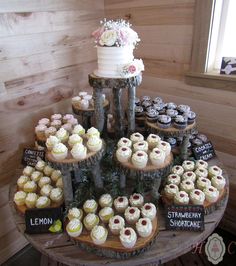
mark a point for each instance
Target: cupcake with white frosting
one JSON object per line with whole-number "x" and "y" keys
{"x": 203, "y": 183}
{"x": 157, "y": 157}
{"x": 153, "y": 140}
{"x": 45, "y": 190}
{"x": 189, "y": 175}
{"x": 50, "y": 131}
{"x": 56, "y": 195}
{"x": 43, "y": 202}
{"x": 187, "y": 185}
{"x": 188, "y": 165}
{"x": 59, "y": 151}
{"x": 128, "y": 237}
{"x": 30, "y": 200}
{"x": 28, "y": 170}
{"x": 144, "y": 227}
{"x": 171, "y": 190}
{"x": 40, "y": 131}
{"x": 74, "y": 228}
{"x": 67, "y": 117}
{"x": 214, "y": 170}
{"x": 141, "y": 146}
{"x": 51, "y": 142}
{"x": 79, "y": 151}
{"x": 123, "y": 154}
{"x": 173, "y": 179}
{"x": 121, "y": 203}
{"x": 63, "y": 135}
{"x": 68, "y": 127}
{"x": 56, "y": 123}
{"x": 197, "y": 197}
{"x": 136, "y": 137}
{"x": 40, "y": 165}
{"x": 30, "y": 186}
{"x": 75, "y": 101}
{"x": 90, "y": 206}
{"x": 181, "y": 198}
{"x": 149, "y": 211}
{"x": 48, "y": 170}
{"x": 105, "y": 214}
{"x": 44, "y": 121}
{"x": 84, "y": 104}
{"x": 124, "y": 142}
{"x": 56, "y": 117}
{"x": 136, "y": 200}
{"x": 178, "y": 170}
{"x": 94, "y": 143}
{"x": 116, "y": 223}
{"x": 139, "y": 159}
{"x": 90, "y": 220}
{"x": 201, "y": 164}
{"x": 75, "y": 213}
{"x": 92, "y": 132}
{"x": 218, "y": 181}
{"x": 132, "y": 215}
{"x": 105, "y": 200}
{"x": 79, "y": 130}
{"x": 74, "y": 139}
{"x": 56, "y": 174}
{"x": 164, "y": 146}
{"x": 73, "y": 122}
{"x": 211, "y": 194}
{"x": 59, "y": 182}
{"x": 36, "y": 175}
{"x": 201, "y": 172}
{"x": 44, "y": 180}
{"x": 22, "y": 180}
{"x": 19, "y": 198}
{"x": 99, "y": 235}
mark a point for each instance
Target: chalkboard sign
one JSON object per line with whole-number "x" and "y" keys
{"x": 204, "y": 152}
{"x": 30, "y": 156}
{"x": 186, "y": 218}
{"x": 43, "y": 220}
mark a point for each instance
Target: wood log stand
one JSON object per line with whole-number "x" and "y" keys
{"x": 117, "y": 85}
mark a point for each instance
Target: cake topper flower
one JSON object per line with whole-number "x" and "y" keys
{"x": 115, "y": 33}
{"x": 132, "y": 69}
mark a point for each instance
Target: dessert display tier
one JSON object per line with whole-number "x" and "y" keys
{"x": 80, "y": 111}
{"x": 113, "y": 247}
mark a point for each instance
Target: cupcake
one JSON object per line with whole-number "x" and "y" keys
{"x": 56, "y": 195}
{"x": 90, "y": 206}
{"x": 59, "y": 182}
{"x": 123, "y": 154}
{"x": 79, "y": 152}
{"x": 132, "y": 215}
{"x": 45, "y": 190}
{"x": 28, "y": 170}
{"x": 56, "y": 174}
{"x": 139, "y": 159}
{"x": 59, "y": 152}
{"x": 74, "y": 139}
{"x": 183, "y": 108}
{"x": 151, "y": 115}
{"x": 203, "y": 183}
{"x": 74, "y": 228}
{"x": 22, "y": 180}
{"x": 178, "y": 170}
{"x": 79, "y": 130}
{"x": 56, "y": 123}
{"x": 189, "y": 175}
{"x": 218, "y": 181}
{"x": 105, "y": 214}
{"x": 191, "y": 116}
{"x": 94, "y": 144}
{"x": 75, "y": 101}
{"x": 180, "y": 122}
{"x": 44, "y": 121}
{"x": 128, "y": 237}
{"x": 197, "y": 197}
{"x": 120, "y": 204}
{"x": 40, "y": 165}
{"x": 188, "y": 165}
{"x": 99, "y": 235}
{"x": 164, "y": 121}
{"x": 187, "y": 185}
{"x": 40, "y": 131}
{"x": 164, "y": 146}
{"x": 158, "y": 100}
{"x": 56, "y": 117}
{"x": 30, "y": 200}
{"x": 146, "y": 98}
{"x": 140, "y": 146}
{"x": 136, "y": 137}
{"x": 36, "y": 175}
{"x": 84, "y": 104}
{"x": 170, "y": 190}
{"x": 68, "y": 127}
{"x": 50, "y": 131}
{"x": 73, "y": 122}
{"x": 201, "y": 172}
{"x": 211, "y": 194}
{"x": 153, "y": 140}
{"x": 62, "y": 135}
{"x": 173, "y": 179}
{"x": 149, "y": 211}
{"x": 214, "y": 170}
{"x": 146, "y": 104}
{"x": 201, "y": 164}
{"x": 116, "y": 223}
{"x": 124, "y": 142}
{"x": 19, "y": 198}
{"x": 30, "y": 187}
{"x": 93, "y": 132}
{"x": 181, "y": 198}
{"x": 51, "y": 142}
{"x": 43, "y": 202}
{"x": 172, "y": 113}
{"x": 171, "y": 105}
{"x": 139, "y": 112}
{"x": 136, "y": 200}
{"x": 105, "y": 200}
{"x": 66, "y": 117}
{"x": 44, "y": 180}
{"x": 90, "y": 220}
{"x": 144, "y": 227}
{"x": 157, "y": 157}
{"x": 48, "y": 170}
{"x": 75, "y": 213}
{"x": 172, "y": 142}
{"x": 137, "y": 101}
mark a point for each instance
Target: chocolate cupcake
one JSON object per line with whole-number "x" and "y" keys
{"x": 172, "y": 113}
{"x": 171, "y": 105}
{"x": 172, "y": 142}
{"x": 137, "y": 101}
{"x": 139, "y": 111}
{"x": 191, "y": 117}
{"x": 146, "y": 104}
{"x": 183, "y": 108}
{"x": 151, "y": 115}
{"x": 157, "y": 100}
{"x": 180, "y": 122}
{"x": 163, "y": 121}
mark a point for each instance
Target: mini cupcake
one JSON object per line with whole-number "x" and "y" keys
{"x": 40, "y": 165}
{"x": 218, "y": 181}
{"x": 99, "y": 235}
{"x": 137, "y": 101}
{"x": 144, "y": 227}
{"x": 105, "y": 200}
{"x": 120, "y": 204}
{"x": 19, "y": 198}
{"x": 139, "y": 112}
{"x": 84, "y": 104}
{"x": 44, "y": 121}
{"x": 30, "y": 200}
{"x": 197, "y": 197}
{"x": 73, "y": 122}
{"x": 146, "y": 98}
{"x": 56, "y": 195}
{"x": 157, "y": 157}
{"x": 141, "y": 146}
{"x": 74, "y": 139}
{"x": 149, "y": 211}
{"x": 183, "y": 108}
{"x": 136, "y": 137}
{"x": 159, "y": 107}
{"x": 50, "y": 131}
{"x": 189, "y": 175}
{"x": 62, "y": 135}
{"x": 90, "y": 206}
{"x": 43, "y": 202}
{"x": 45, "y": 190}
{"x": 116, "y": 223}
{"x": 181, "y": 198}
{"x": 90, "y": 220}
{"x": 94, "y": 144}
{"x": 203, "y": 183}
{"x": 132, "y": 215}
{"x": 48, "y": 170}
{"x": 36, "y": 175}
{"x": 201, "y": 164}
{"x": 68, "y": 127}
{"x": 173, "y": 179}
{"x": 56, "y": 117}
{"x": 40, "y": 131}
{"x": 164, "y": 121}
{"x": 30, "y": 187}
{"x": 79, "y": 130}
{"x": 59, "y": 182}
{"x": 164, "y": 146}
{"x": 79, "y": 152}
{"x": 56, "y": 174}
{"x": 157, "y": 100}
{"x": 170, "y": 191}
{"x": 139, "y": 159}
{"x": 188, "y": 165}
{"x": 66, "y": 117}
{"x": 191, "y": 116}
{"x": 22, "y": 180}
{"x": 146, "y": 104}
{"x": 105, "y": 214}
{"x": 136, "y": 200}
{"x": 44, "y": 180}
{"x": 187, "y": 185}
{"x": 214, "y": 170}
{"x": 201, "y": 172}
{"x": 59, "y": 152}
{"x": 123, "y": 154}
{"x": 75, "y": 101}
{"x": 180, "y": 122}
{"x": 92, "y": 132}
{"x": 128, "y": 237}
{"x": 124, "y": 142}
{"x": 56, "y": 123}
{"x": 75, "y": 213}
{"x": 172, "y": 142}
{"x": 74, "y": 228}
{"x": 178, "y": 170}
{"x": 151, "y": 115}
{"x": 153, "y": 140}
{"x": 28, "y": 170}
{"x": 51, "y": 142}
{"x": 211, "y": 194}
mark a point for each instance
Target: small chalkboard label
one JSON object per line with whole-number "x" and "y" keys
{"x": 48, "y": 220}
{"x": 204, "y": 152}
{"x": 31, "y": 156}
{"x": 186, "y": 218}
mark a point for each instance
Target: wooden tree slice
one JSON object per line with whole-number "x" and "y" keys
{"x": 112, "y": 247}
{"x": 77, "y": 110}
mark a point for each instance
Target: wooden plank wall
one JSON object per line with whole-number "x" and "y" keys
{"x": 166, "y": 31}
{"x": 46, "y": 53}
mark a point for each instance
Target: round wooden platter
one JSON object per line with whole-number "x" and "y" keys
{"x": 171, "y": 131}
{"x": 79, "y": 111}
{"x": 113, "y": 247}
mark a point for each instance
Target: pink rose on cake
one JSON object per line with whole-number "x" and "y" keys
{"x": 108, "y": 38}
{"x": 132, "y": 69}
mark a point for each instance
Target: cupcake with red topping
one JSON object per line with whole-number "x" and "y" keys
{"x": 136, "y": 200}
{"x": 149, "y": 211}
{"x": 116, "y": 224}
{"x": 144, "y": 227}
{"x": 128, "y": 237}
{"x": 132, "y": 215}
{"x": 121, "y": 203}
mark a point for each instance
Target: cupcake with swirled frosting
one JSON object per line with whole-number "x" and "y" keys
{"x": 79, "y": 130}
{"x": 141, "y": 146}
{"x": 178, "y": 170}
{"x": 79, "y": 151}
{"x": 74, "y": 139}
{"x": 43, "y": 202}
{"x": 128, "y": 237}
{"x": 40, "y": 131}
{"x": 90, "y": 220}
{"x": 94, "y": 144}
{"x": 136, "y": 137}
{"x": 56, "y": 117}
{"x": 59, "y": 151}
{"x": 151, "y": 115}
{"x": 139, "y": 159}
{"x": 132, "y": 215}
{"x": 123, "y": 154}
{"x": 30, "y": 200}
{"x": 56, "y": 123}
{"x": 56, "y": 174}
{"x": 201, "y": 172}
{"x": 180, "y": 122}
{"x": 116, "y": 223}
{"x": 181, "y": 198}
{"x": 99, "y": 235}
{"x": 218, "y": 181}
{"x": 153, "y": 140}
{"x": 173, "y": 179}
{"x": 36, "y": 175}
{"x": 74, "y": 228}
{"x": 203, "y": 183}
{"x": 92, "y": 132}
{"x": 44, "y": 180}
{"x": 124, "y": 142}
{"x": 197, "y": 197}
{"x": 22, "y": 180}
{"x": 164, "y": 121}
{"x": 28, "y": 170}
{"x": 48, "y": 170}
{"x": 75, "y": 213}
{"x": 62, "y": 135}
{"x": 214, "y": 170}
{"x": 201, "y": 164}
{"x": 187, "y": 185}
{"x": 40, "y": 165}
{"x": 157, "y": 157}
{"x": 90, "y": 206}
{"x": 56, "y": 195}
{"x": 121, "y": 203}
{"x": 149, "y": 211}
{"x": 211, "y": 193}
{"x": 45, "y": 190}
{"x": 19, "y": 198}
{"x": 188, "y": 165}
{"x": 164, "y": 146}
{"x": 144, "y": 227}
{"x": 105, "y": 214}
{"x": 30, "y": 187}
{"x": 190, "y": 175}
{"x": 136, "y": 200}
{"x": 105, "y": 200}
{"x": 170, "y": 190}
